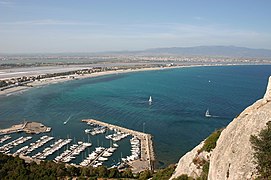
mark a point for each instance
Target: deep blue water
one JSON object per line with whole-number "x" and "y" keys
{"x": 175, "y": 118}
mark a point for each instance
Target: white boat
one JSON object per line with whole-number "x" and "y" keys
{"x": 115, "y": 145}
{"x": 207, "y": 114}
{"x": 150, "y": 100}
{"x": 87, "y": 130}
{"x": 102, "y": 158}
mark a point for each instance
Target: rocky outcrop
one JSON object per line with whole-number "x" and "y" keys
{"x": 189, "y": 163}
{"x": 233, "y": 156}
{"x": 267, "y": 96}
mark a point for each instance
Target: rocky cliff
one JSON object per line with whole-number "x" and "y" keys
{"x": 186, "y": 164}
{"x": 232, "y": 158}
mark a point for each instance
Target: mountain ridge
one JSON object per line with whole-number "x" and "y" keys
{"x": 228, "y": 51}
{"x": 208, "y": 51}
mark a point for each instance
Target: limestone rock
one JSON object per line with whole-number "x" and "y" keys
{"x": 267, "y": 96}
{"x": 186, "y": 164}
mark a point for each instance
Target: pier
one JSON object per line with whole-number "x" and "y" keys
{"x": 147, "y": 158}
{"x": 28, "y": 127}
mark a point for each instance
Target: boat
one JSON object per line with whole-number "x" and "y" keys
{"x": 150, "y": 100}
{"x": 87, "y": 130}
{"x": 115, "y": 145}
{"x": 207, "y": 114}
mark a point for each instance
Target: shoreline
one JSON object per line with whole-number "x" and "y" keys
{"x": 60, "y": 79}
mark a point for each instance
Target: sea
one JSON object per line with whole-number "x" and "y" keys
{"x": 175, "y": 118}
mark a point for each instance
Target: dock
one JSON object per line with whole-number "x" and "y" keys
{"x": 147, "y": 158}
{"x": 28, "y": 127}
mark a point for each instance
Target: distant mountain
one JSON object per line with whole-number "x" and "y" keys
{"x": 228, "y": 51}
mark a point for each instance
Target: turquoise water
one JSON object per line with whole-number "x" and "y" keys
{"x": 175, "y": 118}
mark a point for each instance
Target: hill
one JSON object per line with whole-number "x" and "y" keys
{"x": 227, "y": 51}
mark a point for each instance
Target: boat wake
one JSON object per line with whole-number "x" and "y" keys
{"x": 65, "y": 122}
{"x": 208, "y": 115}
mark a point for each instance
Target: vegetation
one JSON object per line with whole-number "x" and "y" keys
{"x": 205, "y": 171}
{"x": 210, "y": 142}
{"x": 145, "y": 175}
{"x": 262, "y": 151}
{"x": 183, "y": 177}
{"x": 16, "y": 168}
{"x": 3, "y": 83}
{"x": 164, "y": 174}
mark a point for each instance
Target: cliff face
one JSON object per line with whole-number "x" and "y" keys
{"x": 186, "y": 164}
{"x": 233, "y": 156}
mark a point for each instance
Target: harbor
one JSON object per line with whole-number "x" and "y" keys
{"x": 106, "y": 144}
{"x": 146, "y": 158}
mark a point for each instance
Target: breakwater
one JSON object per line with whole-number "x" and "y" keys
{"x": 147, "y": 158}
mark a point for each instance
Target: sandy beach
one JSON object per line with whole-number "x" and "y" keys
{"x": 59, "y": 79}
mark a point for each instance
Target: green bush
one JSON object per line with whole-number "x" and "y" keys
{"x": 16, "y": 168}
{"x": 164, "y": 174}
{"x": 210, "y": 142}
{"x": 183, "y": 177}
{"x": 145, "y": 175}
{"x": 205, "y": 171}
{"x": 261, "y": 145}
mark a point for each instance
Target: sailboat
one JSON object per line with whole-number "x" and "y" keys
{"x": 150, "y": 100}
{"x": 207, "y": 114}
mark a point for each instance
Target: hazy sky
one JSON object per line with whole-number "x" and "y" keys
{"x": 105, "y": 25}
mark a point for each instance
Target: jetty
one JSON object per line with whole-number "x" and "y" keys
{"x": 147, "y": 157}
{"x": 28, "y": 127}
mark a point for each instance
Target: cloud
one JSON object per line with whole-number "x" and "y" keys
{"x": 6, "y": 3}
{"x": 47, "y": 22}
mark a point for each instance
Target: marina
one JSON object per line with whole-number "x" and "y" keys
{"x": 140, "y": 156}
{"x": 97, "y": 157}
{"x": 28, "y": 149}
{"x": 6, "y": 148}
{"x": 70, "y": 154}
{"x": 3, "y": 139}
{"x": 142, "y": 152}
{"x": 53, "y": 148}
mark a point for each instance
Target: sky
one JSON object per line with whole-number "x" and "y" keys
{"x": 52, "y": 26}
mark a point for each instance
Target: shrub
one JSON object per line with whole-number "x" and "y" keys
{"x": 183, "y": 177}
{"x": 210, "y": 142}
{"x": 261, "y": 145}
{"x": 164, "y": 174}
{"x": 145, "y": 175}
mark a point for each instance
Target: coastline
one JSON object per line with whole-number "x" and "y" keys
{"x": 60, "y": 79}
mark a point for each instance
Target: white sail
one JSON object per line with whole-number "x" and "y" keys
{"x": 150, "y": 100}
{"x": 207, "y": 114}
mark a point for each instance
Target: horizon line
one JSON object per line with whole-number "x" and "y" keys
{"x": 122, "y": 51}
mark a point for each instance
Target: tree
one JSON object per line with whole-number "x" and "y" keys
{"x": 164, "y": 174}
{"x": 102, "y": 171}
{"x": 145, "y": 175}
{"x": 182, "y": 177}
{"x": 113, "y": 173}
{"x": 127, "y": 173}
{"x": 261, "y": 145}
